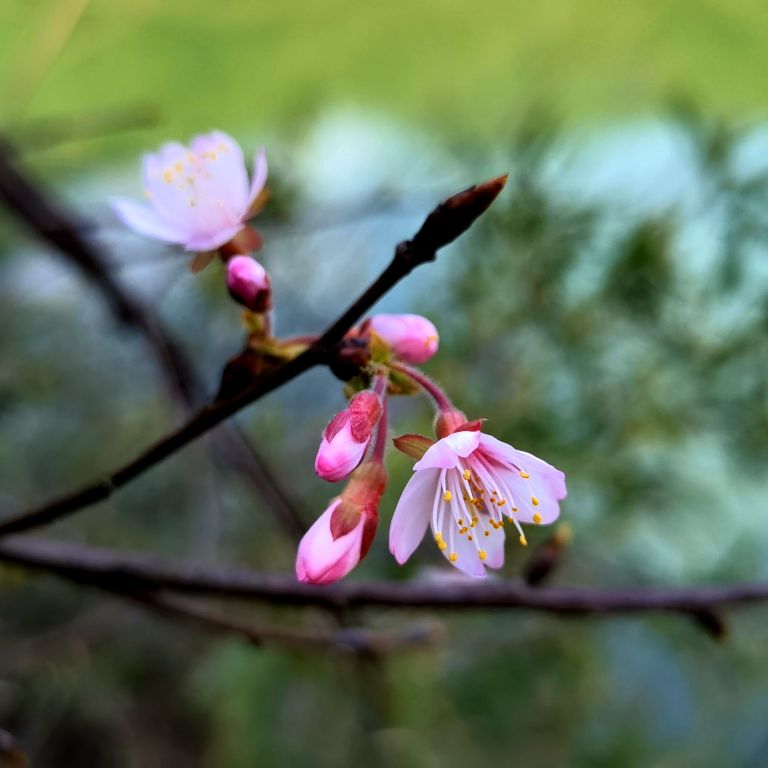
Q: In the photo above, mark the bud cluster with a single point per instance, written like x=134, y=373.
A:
x=467, y=486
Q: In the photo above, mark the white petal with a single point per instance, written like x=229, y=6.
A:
x=444, y=453
x=146, y=221
x=409, y=523
x=210, y=242
x=259, y=176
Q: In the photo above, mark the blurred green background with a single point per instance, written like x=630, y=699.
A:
x=609, y=314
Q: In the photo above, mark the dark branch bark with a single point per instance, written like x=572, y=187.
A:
x=349, y=640
x=443, y=225
x=62, y=231
x=130, y=572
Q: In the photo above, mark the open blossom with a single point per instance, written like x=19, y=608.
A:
x=341, y=537
x=198, y=196
x=470, y=487
x=413, y=338
x=347, y=437
x=248, y=283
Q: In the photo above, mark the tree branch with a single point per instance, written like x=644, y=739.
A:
x=348, y=640
x=451, y=217
x=132, y=572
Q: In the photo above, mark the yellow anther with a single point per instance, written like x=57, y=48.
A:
x=178, y=167
x=442, y=545
x=438, y=536
x=534, y=501
x=460, y=522
x=482, y=554
x=523, y=540
x=524, y=474
x=515, y=509
x=502, y=502
x=467, y=474
x=447, y=496
x=473, y=524
x=536, y=518
x=463, y=530
x=453, y=557
x=487, y=533
x=167, y=175
x=469, y=538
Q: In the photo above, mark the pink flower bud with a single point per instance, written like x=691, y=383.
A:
x=346, y=438
x=413, y=338
x=342, y=535
x=248, y=283
x=321, y=559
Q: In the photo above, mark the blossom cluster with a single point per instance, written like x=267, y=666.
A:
x=468, y=487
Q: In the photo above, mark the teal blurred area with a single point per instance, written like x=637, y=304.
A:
x=609, y=314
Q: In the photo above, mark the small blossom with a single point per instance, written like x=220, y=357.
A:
x=341, y=537
x=413, y=338
x=470, y=487
x=346, y=438
x=198, y=196
x=248, y=283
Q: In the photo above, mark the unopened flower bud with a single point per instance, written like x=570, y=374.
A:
x=346, y=438
x=342, y=535
x=413, y=338
x=248, y=283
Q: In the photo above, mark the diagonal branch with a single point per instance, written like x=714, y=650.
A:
x=62, y=231
x=448, y=220
x=132, y=572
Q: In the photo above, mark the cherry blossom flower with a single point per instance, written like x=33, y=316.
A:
x=347, y=437
x=248, y=283
x=198, y=196
x=413, y=338
x=470, y=487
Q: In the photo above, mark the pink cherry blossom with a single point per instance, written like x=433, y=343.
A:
x=248, y=283
x=347, y=437
x=469, y=487
x=198, y=196
x=413, y=338
x=321, y=559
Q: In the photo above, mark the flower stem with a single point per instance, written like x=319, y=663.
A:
x=380, y=388
x=442, y=401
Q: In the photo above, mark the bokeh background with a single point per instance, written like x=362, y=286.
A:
x=609, y=314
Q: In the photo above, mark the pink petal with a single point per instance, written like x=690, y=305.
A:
x=413, y=512
x=337, y=457
x=444, y=453
x=259, y=176
x=321, y=559
x=212, y=241
x=145, y=221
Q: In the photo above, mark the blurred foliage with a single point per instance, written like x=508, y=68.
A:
x=459, y=67
x=607, y=317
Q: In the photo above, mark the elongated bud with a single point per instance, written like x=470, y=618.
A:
x=413, y=338
x=342, y=535
x=248, y=283
x=346, y=438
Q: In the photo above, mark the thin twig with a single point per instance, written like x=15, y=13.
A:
x=451, y=217
x=349, y=640
x=134, y=572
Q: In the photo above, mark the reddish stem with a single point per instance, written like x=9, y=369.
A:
x=442, y=401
